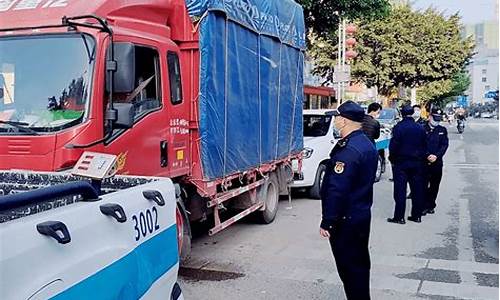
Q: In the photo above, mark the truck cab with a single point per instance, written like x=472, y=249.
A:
x=59, y=98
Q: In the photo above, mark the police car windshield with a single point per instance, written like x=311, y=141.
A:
x=316, y=125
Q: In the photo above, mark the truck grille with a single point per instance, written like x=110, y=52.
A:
x=19, y=146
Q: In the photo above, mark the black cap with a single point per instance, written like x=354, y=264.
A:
x=436, y=114
x=407, y=110
x=350, y=110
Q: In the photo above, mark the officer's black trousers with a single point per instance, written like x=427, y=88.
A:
x=434, y=174
x=349, y=242
x=412, y=173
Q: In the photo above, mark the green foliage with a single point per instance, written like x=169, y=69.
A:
x=321, y=17
x=444, y=91
x=407, y=48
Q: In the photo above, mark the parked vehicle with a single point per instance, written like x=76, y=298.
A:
x=389, y=117
x=487, y=115
x=187, y=90
x=69, y=237
x=320, y=137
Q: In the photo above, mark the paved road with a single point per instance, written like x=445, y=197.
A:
x=451, y=255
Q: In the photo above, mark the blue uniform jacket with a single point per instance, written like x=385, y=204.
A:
x=437, y=142
x=408, y=142
x=347, y=189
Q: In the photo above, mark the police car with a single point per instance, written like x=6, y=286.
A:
x=62, y=239
x=319, y=138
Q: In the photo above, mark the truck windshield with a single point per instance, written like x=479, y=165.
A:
x=44, y=82
x=316, y=125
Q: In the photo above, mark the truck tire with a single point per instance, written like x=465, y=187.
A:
x=271, y=198
x=185, y=249
x=378, y=173
x=314, y=191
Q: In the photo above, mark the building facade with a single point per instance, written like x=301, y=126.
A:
x=483, y=69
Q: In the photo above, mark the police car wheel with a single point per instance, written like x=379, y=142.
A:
x=314, y=191
x=271, y=201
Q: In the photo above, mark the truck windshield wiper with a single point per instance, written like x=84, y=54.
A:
x=20, y=125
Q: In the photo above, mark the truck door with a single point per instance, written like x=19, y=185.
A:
x=139, y=149
x=178, y=158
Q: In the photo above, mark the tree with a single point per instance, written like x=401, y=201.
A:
x=407, y=48
x=321, y=15
x=444, y=91
x=411, y=48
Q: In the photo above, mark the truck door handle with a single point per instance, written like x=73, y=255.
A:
x=163, y=154
x=114, y=210
x=52, y=229
x=332, y=141
x=154, y=196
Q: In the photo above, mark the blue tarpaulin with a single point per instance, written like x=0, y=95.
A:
x=251, y=82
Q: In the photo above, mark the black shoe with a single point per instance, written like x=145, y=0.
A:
x=393, y=220
x=415, y=219
x=430, y=211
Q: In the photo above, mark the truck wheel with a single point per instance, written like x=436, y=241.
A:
x=314, y=191
x=185, y=238
x=378, y=173
x=271, y=201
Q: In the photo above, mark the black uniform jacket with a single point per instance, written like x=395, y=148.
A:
x=437, y=142
x=347, y=189
x=408, y=142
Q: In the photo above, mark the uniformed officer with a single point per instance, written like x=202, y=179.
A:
x=407, y=154
x=347, y=197
x=437, y=144
x=417, y=115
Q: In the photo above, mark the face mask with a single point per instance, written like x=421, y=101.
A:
x=417, y=114
x=338, y=126
x=433, y=123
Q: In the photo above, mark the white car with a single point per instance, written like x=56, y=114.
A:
x=122, y=244
x=319, y=138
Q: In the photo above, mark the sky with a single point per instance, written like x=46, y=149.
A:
x=472, y=11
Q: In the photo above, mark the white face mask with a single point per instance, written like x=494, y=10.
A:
x=417, y=114
x=433, y=123
x=336, y=124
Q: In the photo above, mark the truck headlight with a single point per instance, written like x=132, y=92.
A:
x=307, y=152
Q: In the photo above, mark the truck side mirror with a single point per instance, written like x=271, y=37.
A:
x=124, y=75
x=124, y=115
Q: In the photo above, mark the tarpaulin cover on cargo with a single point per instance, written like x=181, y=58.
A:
x=251, y=82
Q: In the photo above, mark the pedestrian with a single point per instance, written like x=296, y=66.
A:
x=407, y=154
x=437, y=144
x=346, y=199
x=417, y=115
x=371, y=127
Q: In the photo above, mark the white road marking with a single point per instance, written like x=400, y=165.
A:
x=465, y=246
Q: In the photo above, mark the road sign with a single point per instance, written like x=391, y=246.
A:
x=462, y=101
x=491, y=94
x=342, y=73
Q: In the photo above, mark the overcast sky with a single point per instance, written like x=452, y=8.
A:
x=472, y=11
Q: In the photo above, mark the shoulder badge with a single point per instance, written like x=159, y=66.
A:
x=342, y=142
x=339, y=167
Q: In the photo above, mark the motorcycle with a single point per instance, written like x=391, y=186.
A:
x=460, y=126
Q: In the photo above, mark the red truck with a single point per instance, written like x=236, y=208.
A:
x=208, y=93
